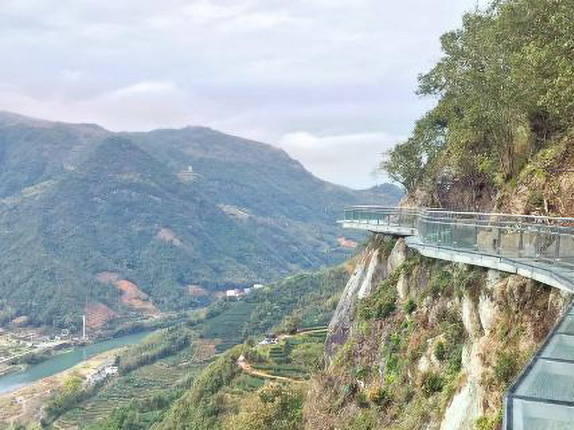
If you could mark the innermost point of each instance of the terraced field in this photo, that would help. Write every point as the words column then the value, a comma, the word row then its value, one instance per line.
column 228, row 326
column 314, row 336
column 286, row 370
column 280, row 362
column 160, row 377
column 246, row 382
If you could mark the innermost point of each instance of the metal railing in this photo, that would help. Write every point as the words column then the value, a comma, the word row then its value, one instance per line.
column 525, row 237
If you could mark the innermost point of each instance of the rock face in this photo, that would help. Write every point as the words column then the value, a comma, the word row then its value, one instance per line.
column 370, row 271
column 491, row 312
column 471, row 317
column 397, row 256
column 499, row 294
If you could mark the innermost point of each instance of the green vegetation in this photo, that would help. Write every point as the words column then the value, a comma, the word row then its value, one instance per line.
column 140, row 398
column 410, row 306
column 156, row 346
column 433, row 384
column 382, row 303
column 379, row 379
column 505, row 90
column 239, row 219
column 76, row 395
column 294, row 357
column 137, row 415
column 67, row 398
column 295, row 302
column 225, row 397
column 165, row 379
column 506, row 368
column 276, row 407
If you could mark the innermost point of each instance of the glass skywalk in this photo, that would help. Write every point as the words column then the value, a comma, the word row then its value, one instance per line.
column 540, row 248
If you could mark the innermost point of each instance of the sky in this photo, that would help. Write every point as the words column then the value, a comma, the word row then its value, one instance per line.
column 332, row 82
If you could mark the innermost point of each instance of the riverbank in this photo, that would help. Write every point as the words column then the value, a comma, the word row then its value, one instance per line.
column 22, row 349
column 65, row 361
column 24, row 405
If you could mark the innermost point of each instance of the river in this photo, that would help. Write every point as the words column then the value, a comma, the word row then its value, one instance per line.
column 64, row 361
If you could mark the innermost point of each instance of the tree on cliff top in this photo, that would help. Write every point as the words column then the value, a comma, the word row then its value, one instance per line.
column 505, row 87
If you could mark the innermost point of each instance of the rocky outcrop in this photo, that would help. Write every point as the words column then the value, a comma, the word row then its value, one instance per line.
column 370, row 270
column 432, row 312
column 500, row 293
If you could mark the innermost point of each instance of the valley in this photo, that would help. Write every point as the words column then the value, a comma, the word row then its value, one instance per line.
column 160, row 276
column 241, row 221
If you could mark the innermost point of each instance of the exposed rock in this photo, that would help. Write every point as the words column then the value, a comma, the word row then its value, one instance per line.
column 558, row 300
column 486, row 311
column 398, row 256
column 168, row 236
column 20, row 321
column 465, row 407
column 368, row 273
column 519, row 291
column 403, row 287
column 493, row 278
column 372, row 275
column 424, row 364
column 470, row 317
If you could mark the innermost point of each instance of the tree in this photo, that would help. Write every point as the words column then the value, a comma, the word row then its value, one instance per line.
column 505, row 88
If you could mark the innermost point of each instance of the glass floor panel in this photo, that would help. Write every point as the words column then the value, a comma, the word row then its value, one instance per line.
column 530, row 415
column 549, row 380
column 567, row 325
column 561, row 346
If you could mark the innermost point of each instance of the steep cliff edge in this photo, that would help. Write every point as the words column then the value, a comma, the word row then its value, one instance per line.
column 422, row 344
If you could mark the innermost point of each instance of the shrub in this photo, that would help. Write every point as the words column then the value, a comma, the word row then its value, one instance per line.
column 432, row 384
column 440, row 351
column 410, row 306
column 441, row 282
column 489, row 423
column 362, row 400
column 505, row 368
column 385, row 309
column 379, row 396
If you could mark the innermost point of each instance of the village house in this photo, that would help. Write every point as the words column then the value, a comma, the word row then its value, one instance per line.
column 234, row 294
column 101, row 374
column 270, row 339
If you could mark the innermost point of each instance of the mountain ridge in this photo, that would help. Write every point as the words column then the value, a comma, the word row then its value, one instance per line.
column 79, row 201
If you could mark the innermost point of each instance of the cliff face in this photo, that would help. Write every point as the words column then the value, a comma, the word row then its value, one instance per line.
column 369, row 271
column 421, row 344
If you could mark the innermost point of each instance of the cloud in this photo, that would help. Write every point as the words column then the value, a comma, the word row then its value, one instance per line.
column 143, row 88
column 351, row 159
column 331, row 80
column 142, row 106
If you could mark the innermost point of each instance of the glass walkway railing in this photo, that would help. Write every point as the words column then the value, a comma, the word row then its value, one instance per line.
column 538, row 247
column 545, row 243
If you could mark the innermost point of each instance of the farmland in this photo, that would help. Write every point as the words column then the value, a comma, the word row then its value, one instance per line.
column 165, row 379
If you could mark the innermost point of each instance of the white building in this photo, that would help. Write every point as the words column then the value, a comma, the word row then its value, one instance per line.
column 233, row 293
column 101, row 374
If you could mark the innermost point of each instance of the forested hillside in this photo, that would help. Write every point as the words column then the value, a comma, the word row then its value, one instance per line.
column 126, row 224
column 173, row 378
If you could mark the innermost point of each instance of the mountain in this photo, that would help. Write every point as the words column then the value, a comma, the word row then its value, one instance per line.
column 132, row 224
